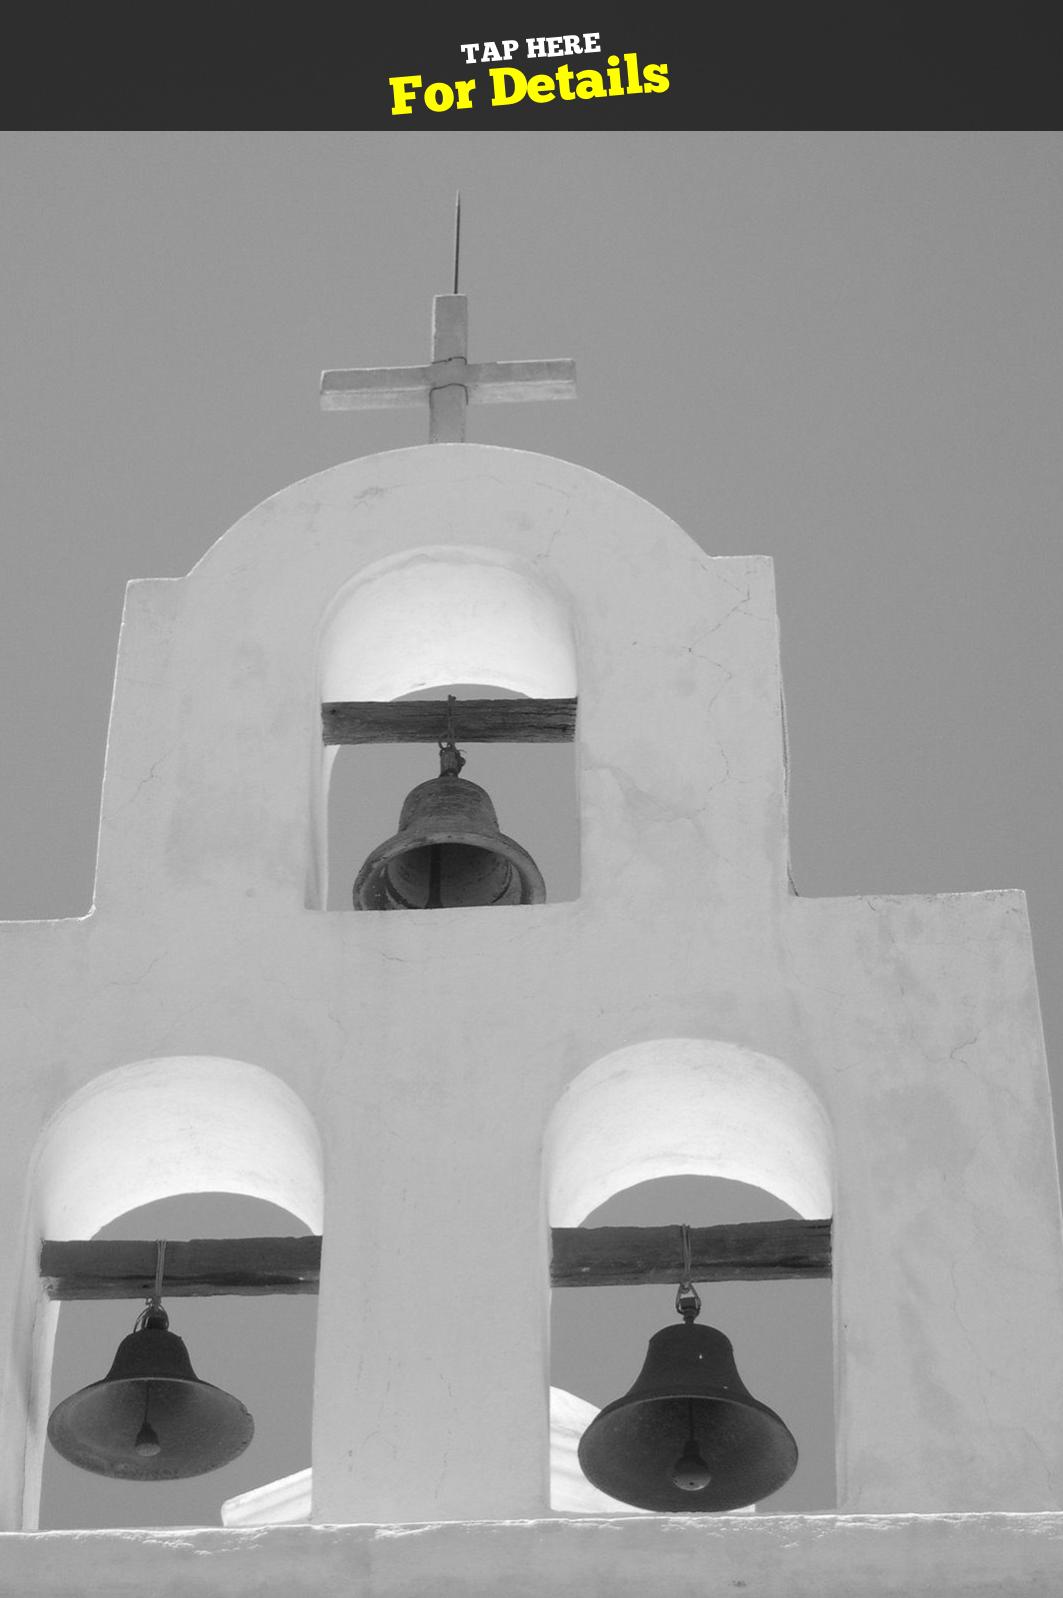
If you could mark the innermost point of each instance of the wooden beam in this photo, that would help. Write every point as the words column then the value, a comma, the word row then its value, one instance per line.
column 425, row 721
column 582, row 1257
column 201, row 1268
column 630, row 1256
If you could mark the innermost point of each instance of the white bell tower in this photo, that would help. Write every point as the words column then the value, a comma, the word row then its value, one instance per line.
column 430, row 1088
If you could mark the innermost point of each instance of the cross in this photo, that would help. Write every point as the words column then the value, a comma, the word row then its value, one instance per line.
column 450, row 382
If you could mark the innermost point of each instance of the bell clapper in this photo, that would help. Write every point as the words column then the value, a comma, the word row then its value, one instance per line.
column 690, row 1472
column 147, row 1444
column 451, row 761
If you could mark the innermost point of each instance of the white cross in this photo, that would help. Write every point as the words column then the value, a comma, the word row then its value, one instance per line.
column 450, row 382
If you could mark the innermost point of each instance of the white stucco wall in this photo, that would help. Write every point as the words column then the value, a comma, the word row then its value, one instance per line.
column 769, row 1556
column 913, row 1022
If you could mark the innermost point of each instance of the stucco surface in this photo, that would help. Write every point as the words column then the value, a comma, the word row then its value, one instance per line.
column 778, row 1556
column 912, row 1022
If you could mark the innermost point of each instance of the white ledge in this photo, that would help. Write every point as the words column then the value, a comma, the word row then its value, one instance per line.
column 773, row 1556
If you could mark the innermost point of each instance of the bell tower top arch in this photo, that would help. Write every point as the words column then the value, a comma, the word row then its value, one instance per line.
column 215, row 736
column 444, row 614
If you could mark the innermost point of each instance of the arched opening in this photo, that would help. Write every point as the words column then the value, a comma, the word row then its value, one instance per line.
column 142, row 1135
column 689, row 1131
column 430, row 623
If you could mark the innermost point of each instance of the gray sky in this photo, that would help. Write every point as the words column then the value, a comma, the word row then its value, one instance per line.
column 840, row 350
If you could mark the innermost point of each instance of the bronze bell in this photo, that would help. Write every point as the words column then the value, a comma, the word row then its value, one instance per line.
column 688, row 1438
column 150, row 1418
column 448, row 852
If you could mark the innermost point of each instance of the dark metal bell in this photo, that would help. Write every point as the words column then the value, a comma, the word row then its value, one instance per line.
column 448, row 852
column 688, row 1438
column 150, row 1418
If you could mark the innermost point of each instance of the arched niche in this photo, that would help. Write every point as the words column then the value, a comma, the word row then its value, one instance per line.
column 150, row 1130
column 436, row 619
column 446, row 614
column 180, row 1124
column 687, row 1106
column 683, row 1108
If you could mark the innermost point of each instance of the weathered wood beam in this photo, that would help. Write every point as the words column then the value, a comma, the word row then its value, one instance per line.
column 582, row 1257
column 200, row 1268
column 425, row 721
column 630, row 1256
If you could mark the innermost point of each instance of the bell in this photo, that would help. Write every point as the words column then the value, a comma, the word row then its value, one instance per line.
column 150, row 1418
column 448, row 852
column 688, row 1438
